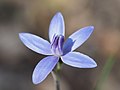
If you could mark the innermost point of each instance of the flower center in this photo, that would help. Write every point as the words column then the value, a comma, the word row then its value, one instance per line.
column 57, row 45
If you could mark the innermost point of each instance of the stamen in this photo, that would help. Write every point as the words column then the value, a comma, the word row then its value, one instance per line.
column 53, row 40
column 60, row 44
column 57, row 44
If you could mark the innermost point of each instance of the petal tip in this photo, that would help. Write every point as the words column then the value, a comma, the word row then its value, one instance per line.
column 35, row 81
column 59, row 13
column 92, row 27
column 94, row 65
column 21, row 34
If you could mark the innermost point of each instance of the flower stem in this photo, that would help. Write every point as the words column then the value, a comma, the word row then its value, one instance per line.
column 57, row 80
column 56, row 77
column 57, row 83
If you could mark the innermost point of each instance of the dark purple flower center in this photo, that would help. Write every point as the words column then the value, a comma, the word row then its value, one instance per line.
column 57, row 45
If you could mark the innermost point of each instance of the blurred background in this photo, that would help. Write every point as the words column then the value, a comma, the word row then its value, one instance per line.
column 17, row 62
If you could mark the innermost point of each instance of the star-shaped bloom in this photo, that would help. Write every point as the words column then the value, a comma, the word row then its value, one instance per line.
column 57, row 48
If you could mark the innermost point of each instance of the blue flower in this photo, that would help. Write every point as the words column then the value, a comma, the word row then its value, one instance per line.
column 57, row 48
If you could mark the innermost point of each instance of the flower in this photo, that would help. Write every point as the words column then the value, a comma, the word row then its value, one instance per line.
column 57, row 48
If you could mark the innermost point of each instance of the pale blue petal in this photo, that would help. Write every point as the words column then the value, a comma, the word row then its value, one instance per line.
column 56, row 26
column 78, row 60
column 36, row 43
column 77, row 39
column 43, row 68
